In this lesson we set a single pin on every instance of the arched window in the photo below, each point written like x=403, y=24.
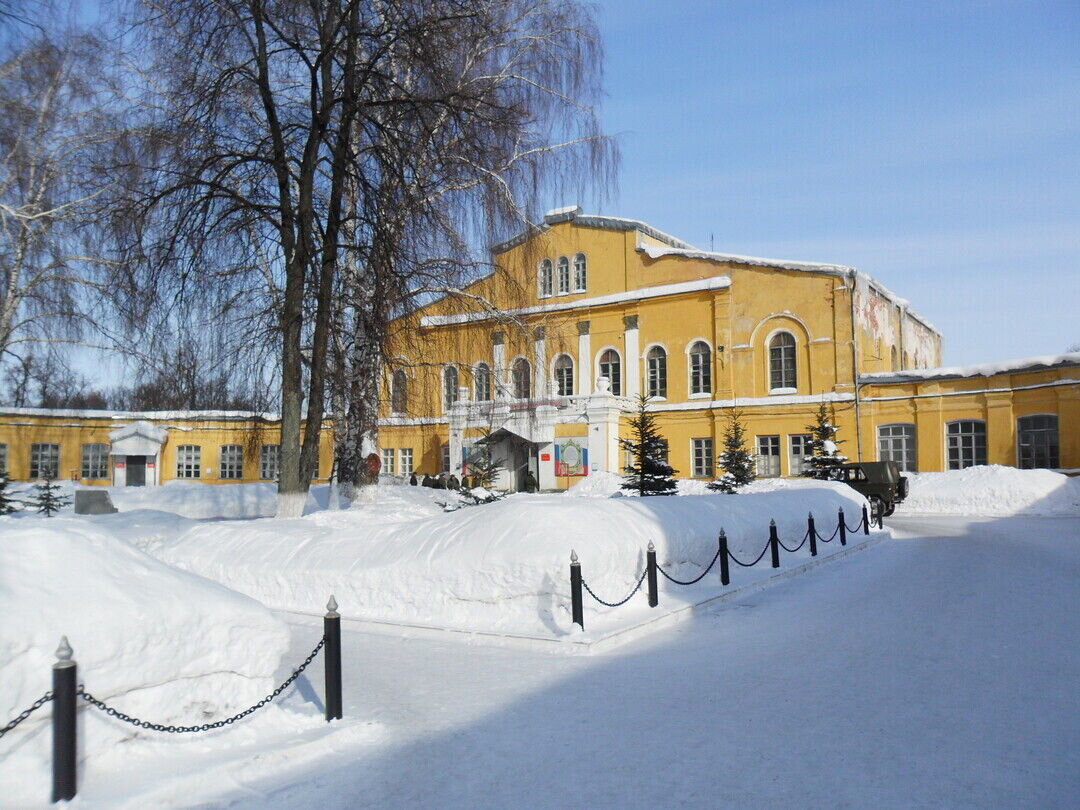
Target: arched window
x=545, y=278
x=399, y=392
x=905, y=359
x=656, y=372
x=580, y=274
x=450, y=386
x=700, y=368
x=564, y=375
x=782, y=362
x=1037, y=441
x=611, y=367
x=482, y=383
x=522, y=375
x=564, y=275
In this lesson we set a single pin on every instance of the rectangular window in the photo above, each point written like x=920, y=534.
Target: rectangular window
x=800, y=450
x=44, y=460
x=188, y=461
x=388, y=461
x=406, y=461
x=231, y=463
x=897, y=443
x=768, y=456
x=269, y=462
x=702, y=454
x=1037, y=442
x=445, y=458
x=95, y=461
x=3, y=459
x=966, y=443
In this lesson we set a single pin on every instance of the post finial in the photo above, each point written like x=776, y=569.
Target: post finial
x=331, y=606
x=772, y=522
x=573, y=556
x=722, y=532
x=64, y=651
x=651, y=546
x=810, y=515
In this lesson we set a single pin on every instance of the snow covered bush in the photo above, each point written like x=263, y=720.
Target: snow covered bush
x=824, y=462
x=735, y=460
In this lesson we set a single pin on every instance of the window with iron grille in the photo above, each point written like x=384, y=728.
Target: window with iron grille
x=800, y=450
x=656, y=372
x=1037, y=442
x=768, y=456
x=231, y=461
x=270, y=462
x=700, y=368
x=611, y=367
x=95, y=460
x=564, y=375
x=701, y=452
x=388, y=460
x=44, y=460
x=966, y=443
x=406, y=461
x=782, y=362
x=897, y=443
x=188, y=461
x=579, y=273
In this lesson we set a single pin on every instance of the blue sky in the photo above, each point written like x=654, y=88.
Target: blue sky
x=935, y=146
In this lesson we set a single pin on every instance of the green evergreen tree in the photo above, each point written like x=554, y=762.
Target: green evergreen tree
x=735, y=461
x=649, y=473
x=7, y=503
x=824, y=462
x=47, y=497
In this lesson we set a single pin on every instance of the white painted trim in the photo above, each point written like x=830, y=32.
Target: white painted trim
x=768, y=358
x=622, y=365
x=689, y=375
x=702, y=395
x=641, y=294
x=1050, y=384
x=573, y=370
x=404, y=421
x=753, y=402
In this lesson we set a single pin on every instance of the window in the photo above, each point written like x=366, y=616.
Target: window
x=444, y=458
x=269, y=462
x=406, y=461
x=656, y=372
x=580, y=277
x=44, y=460
x=893, y=353
x=188, y=461
x=611, y=367
x=564, y=275
x=399, y=393
x=231, y=461
x=768, y=456
x=702, y=456
x=897, y=443
x=522, y=378
x=1038, y=441
x=545, y=278
x=95, y=461
x=700, y=368
x=388, y=460
x=800, y=449
x=482, y=383
x=564, y=376
x=450, y=386
x=966, y=443
x=782, y=362
x=3, y=459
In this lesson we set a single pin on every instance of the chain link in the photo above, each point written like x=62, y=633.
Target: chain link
x=37, y=704
x=616, y=604
x=109, y=710
x=695, y=579
x=737, y=561
x=805, y=537
x=822, y=539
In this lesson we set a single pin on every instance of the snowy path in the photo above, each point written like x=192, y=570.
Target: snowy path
x=936, y=670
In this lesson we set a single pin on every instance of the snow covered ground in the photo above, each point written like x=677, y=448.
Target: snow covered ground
x=992, y=491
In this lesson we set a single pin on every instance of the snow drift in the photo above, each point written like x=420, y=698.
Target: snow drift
x=992, y=491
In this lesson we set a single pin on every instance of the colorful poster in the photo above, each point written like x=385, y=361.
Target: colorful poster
x=571, y=458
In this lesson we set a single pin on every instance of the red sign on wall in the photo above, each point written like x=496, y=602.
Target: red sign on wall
x=545, y=456
x=121, y=464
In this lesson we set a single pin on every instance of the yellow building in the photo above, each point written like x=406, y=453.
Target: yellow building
x=543, y=359
x=120, y=448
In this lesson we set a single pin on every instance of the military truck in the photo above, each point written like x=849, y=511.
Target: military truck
x=880, y=482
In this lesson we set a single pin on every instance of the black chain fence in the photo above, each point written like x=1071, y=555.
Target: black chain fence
x=622, y=601
x=696, y=579
x=801, y=544
x=37, y=704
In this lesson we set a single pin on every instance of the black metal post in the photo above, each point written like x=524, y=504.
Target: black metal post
x=332, y=660
x=865, y=521
x=650, y=555
x=575, y=591
x=812, y=533
x=725, y=574
x=843, y=529
x=65, y=674
x=774, y=544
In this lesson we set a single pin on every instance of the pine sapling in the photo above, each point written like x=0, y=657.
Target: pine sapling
x=735, y=460
x=824, y=462
x=7, y=503
x=47, y=497
x=648, y=473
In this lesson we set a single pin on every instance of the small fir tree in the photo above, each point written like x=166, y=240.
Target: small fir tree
x=824, y=462
x=735, y=461
x=649, y=473
x=7, y=503
x=483, y=468
x=47, y=497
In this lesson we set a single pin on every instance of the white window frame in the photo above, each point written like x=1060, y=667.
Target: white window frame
x=519, y=384
x=270, y=462
x=699, y=385
x=450, y=388
x=563, y=273
x=581, y=273
x=189, y=461
x=616, y=380
x=482, y=382
x=887, y=445
x=545, y=284
x=783, y=388
x=702, y=457
x=803, y=440
x=388, y=455
x=563, y=387
x=94, y=461
x=1056, y=445
x=962, y=445
x=767, y=465
x=658, y=392
x=231, y=462
x=406, y=457
x=44, y=459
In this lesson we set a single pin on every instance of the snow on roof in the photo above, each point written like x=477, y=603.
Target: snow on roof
x=1039, y=363
x=656, y=252
x=147, y=415
x=572, y=213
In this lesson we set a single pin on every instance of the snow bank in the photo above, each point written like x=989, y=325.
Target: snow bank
x=157, y=642
x=500, y=567
x=992, y=491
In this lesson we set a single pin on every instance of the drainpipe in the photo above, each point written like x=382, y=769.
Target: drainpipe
x=855, y=367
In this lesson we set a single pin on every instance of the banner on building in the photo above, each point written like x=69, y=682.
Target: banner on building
x=571, y=458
